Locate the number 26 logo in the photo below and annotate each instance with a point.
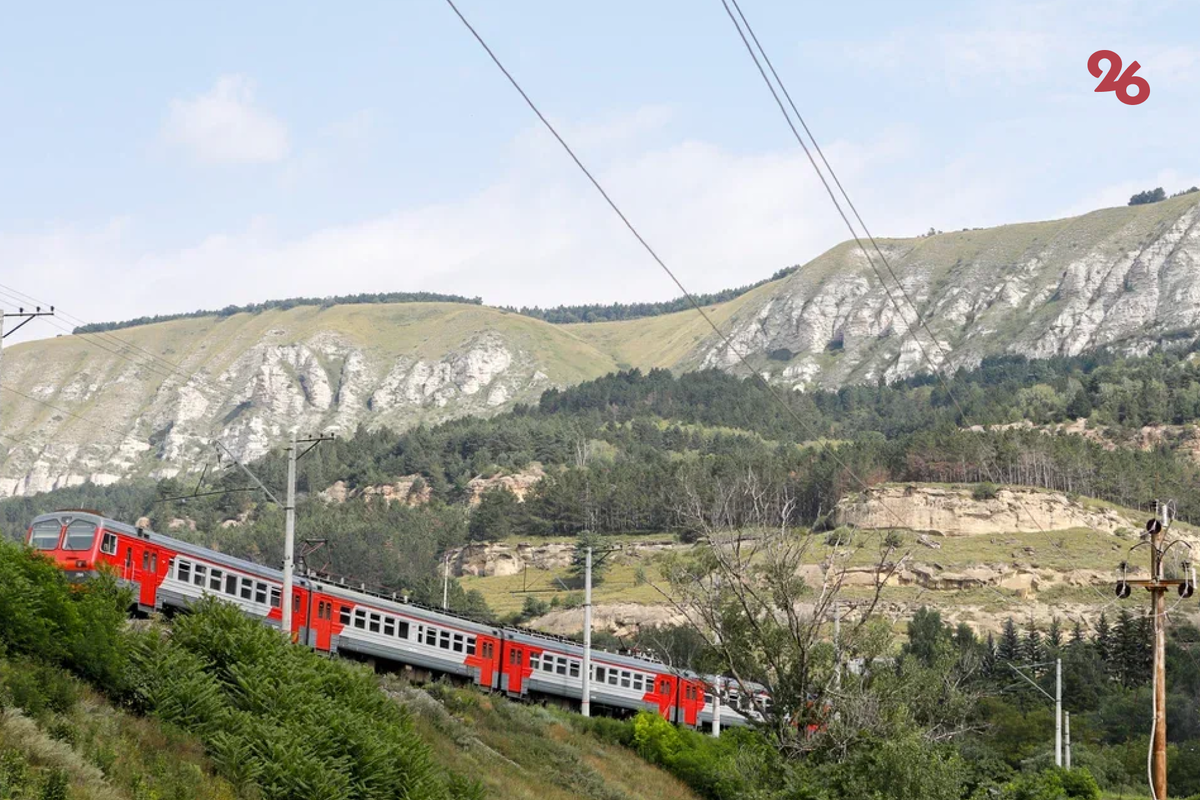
(1120, 85)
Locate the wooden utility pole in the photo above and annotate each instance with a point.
(1157, 585)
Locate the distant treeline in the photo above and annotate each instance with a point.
(284, 305)
(562, 315)
(558, 316)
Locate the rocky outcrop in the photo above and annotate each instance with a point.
(103, 412)
(619, 619)
(412, 490)
(1125, 278)
(955, 511)
(502, 558)
(519, 483)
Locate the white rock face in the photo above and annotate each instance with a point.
(249, 394)
(1123, 278)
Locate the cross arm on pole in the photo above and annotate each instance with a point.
(27, 317)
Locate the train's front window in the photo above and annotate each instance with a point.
(81, 534)
(45, 534)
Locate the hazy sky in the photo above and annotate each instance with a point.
(157, 160)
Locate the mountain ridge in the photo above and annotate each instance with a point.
(100, 409)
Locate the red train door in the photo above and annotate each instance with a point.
(690, 701)
(321, 628)
(153, 570)
(663, 695)
(486, 659)
(515, 668)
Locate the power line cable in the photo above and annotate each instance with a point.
(920, 319)
(104, 340)
(771, 391)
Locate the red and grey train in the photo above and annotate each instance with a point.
(331, 617)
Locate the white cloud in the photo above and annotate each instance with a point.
(538, 234)
(223, 125)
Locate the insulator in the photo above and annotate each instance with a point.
(1186, 589)
(1123, 589)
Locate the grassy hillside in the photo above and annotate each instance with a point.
(523, 751)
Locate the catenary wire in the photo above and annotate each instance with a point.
(105, 341)
(771, 391)
(920, 318)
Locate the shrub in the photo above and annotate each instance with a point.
(78, 628)
(984, 491)
(1079, 783)
(281, 719)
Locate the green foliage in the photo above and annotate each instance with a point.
(900, 768)
(984, 491)
(277, 717)
(75, 627)
(740, 764)
(595, 312)
(1149, 196)
(600, 562)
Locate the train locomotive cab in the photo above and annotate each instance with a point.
(70, 539)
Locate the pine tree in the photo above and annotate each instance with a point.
(1054, 638)
(1104, 642)
(1127, 650)
(1009, 649)
(1077, 639)
(989, 656)
(1033, 650)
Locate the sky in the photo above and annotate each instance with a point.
(157, 158)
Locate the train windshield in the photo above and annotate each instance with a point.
(45, 534)
(80, 535)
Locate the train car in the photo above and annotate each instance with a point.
(376, 626)
(166, 573)
(539, 664)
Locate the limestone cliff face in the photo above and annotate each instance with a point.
(953, 511)
(1122, 277)
(109, 411)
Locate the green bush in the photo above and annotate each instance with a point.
(1079, 783)
(44, 616)
(279, 718)
(984, 491)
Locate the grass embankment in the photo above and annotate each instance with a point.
(630, 579)
(521, 752)
(59, 738)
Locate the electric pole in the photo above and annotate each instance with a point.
(1056, 698)
(289, 536)
(1157, 585)
(1068, 742)
(585, 705)
(289, 540)
(837, 647)
(1058, 713)
(25, 316)
(289, 524)
(446, 581)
